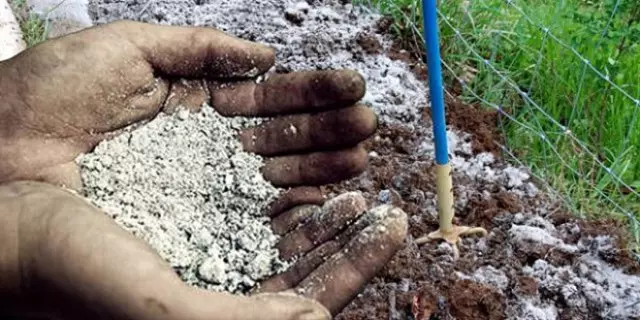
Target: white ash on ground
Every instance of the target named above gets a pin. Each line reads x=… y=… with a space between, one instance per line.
x=586 y=286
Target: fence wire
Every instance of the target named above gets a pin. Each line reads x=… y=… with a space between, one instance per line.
x=554 y=120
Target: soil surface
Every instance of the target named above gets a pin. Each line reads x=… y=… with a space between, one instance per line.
x=537 y=262
x=421 y=283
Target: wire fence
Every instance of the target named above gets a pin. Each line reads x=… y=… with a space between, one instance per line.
x=564 y=77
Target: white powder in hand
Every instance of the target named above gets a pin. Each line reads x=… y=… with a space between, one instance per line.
x=183 y=184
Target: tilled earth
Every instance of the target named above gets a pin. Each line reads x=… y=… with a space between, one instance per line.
x=537 y=262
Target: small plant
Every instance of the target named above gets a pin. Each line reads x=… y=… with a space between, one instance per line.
x=33 y=28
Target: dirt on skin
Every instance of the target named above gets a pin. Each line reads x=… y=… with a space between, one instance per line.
x=535 y=263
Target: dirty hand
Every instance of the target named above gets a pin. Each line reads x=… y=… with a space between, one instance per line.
x=62 y=256
x=62 y=97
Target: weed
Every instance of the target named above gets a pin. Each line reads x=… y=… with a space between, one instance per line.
x=33 y=28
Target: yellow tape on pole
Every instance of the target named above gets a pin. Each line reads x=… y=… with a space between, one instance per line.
x=444 y=189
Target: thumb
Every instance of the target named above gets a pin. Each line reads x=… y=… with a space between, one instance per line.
x=205 y=305
x=189 y=52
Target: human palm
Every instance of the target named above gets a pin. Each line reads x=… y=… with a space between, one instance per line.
x=60 y=98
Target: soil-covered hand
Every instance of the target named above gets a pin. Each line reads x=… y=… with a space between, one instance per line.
x=62 y=97
x=64 y=258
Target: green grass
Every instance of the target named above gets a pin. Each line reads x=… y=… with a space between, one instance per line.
x=34 y=29
x=562 y=90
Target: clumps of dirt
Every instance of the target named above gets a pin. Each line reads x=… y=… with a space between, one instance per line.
x=523 y=234
x=297 y=13
x=482 y=124
x=369 y=43
x=470 y=300
x=184 y=185
x=618 y=253
x=383 y=25
x=526 y=286
x=482 y=210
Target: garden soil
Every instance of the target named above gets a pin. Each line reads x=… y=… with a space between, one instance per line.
x=537 y=262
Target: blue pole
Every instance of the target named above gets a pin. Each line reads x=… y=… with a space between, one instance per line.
x=444 y=181
x=432 y=46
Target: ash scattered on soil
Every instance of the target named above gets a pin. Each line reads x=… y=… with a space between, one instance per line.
x=183 y=184
x=532 y=265
x=519 y=271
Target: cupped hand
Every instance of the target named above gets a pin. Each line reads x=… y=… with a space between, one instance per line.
x=62 y=97
x=64 y=258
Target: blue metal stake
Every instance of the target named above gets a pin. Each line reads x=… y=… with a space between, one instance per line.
x=444 y=182
x=432 y=46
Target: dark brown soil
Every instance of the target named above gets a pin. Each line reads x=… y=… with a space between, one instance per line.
x=470 y=300
x=419 y=282
x=428 y=291
x=408 y=177
x=481 y=123
x=384 y=24
x=621 y=256
x=482 y=211
x=527 y=286
x=369 y=43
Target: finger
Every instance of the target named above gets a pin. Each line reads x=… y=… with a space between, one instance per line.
x=143 y=105
x=203 y=304
x=309 y=262
x=88 y=267
x=315 y=169
x=336 y=214
x=330 y=130
x=190 y=94
x=336 y=282
x=293 y=217
x=66 y=175
x=190 y=52
x=289 y=93
x=295 y=197
x=80 y=254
